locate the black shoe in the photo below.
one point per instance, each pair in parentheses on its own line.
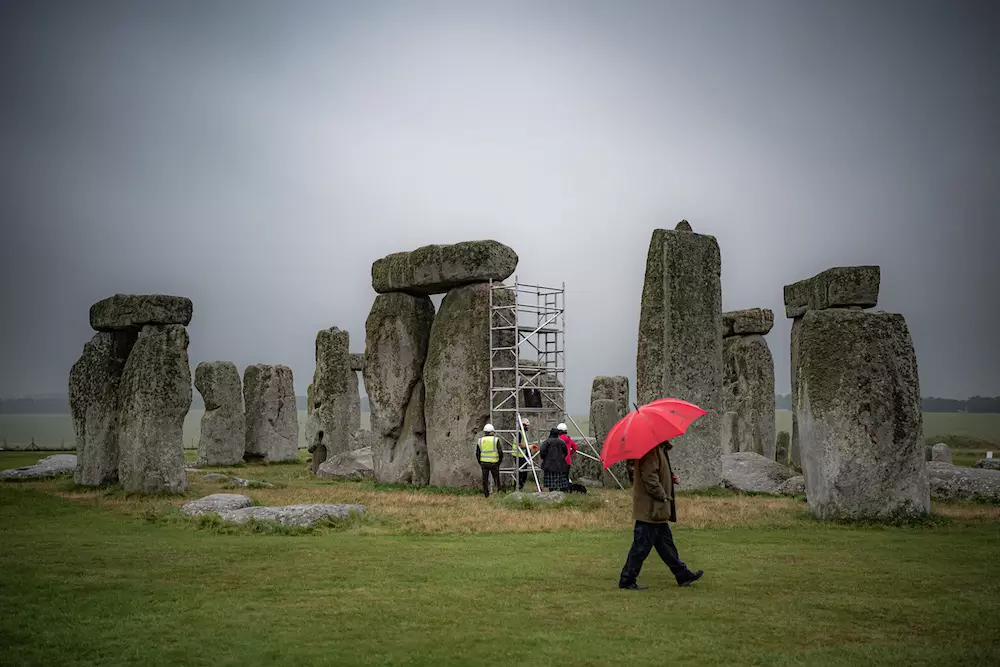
(690,580)
(632,587)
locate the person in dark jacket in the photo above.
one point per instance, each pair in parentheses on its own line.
(555,472)
(652,507)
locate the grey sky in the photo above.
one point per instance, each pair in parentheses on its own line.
(257,157)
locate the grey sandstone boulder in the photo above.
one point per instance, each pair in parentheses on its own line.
(223,424)
(436,269)
(988,464)
(611,387)
(749,395)
(249,483)
(608,404)
(271,413)
(457,383)
(746,322)
(155,392)
(547,497)
(839,287)
(859,418)
(397,336)
(335,415)
(292,515)
(357,361)
(748,471)
(94,405)
(941,453)
(354,465)
(793,485)
(50,466)
(949,482)
(134,311)
(680,346)
(216,503)
(215,477)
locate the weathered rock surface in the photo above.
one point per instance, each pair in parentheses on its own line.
(216,503)
(215,477)
(397,335)
(949,482)
(437,269)
(860,422)
(941,453)
(292,515)
(336,399)
(456,384)
(134,311)
(746,322)
(549,497)
(611,387)
(271,413)
(748,471)
(249,483)
(357,361)
(680,349)
(839,287)
(608,404)
(155,392)
(50,466)
(94,404)
(781,448)
(223,425)
(354,465)
(749,395)
(988,464)
(793,485)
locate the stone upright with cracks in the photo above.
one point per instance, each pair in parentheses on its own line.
(680,346)
(271,413)
(749,383)
(335,410)
(223,425)
(436,269)
(608,404)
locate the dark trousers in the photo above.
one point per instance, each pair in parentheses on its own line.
(648,536)
(490,469)
(522,477)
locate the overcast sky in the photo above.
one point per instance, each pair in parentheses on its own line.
(258,156)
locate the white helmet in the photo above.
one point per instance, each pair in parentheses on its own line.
(525,422)
(488,428)
(561,427)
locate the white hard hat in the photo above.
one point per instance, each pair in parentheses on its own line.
(561,427)
(488,428)
(526,422)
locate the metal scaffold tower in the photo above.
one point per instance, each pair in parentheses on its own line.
(528,373)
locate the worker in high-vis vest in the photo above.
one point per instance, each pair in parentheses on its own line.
(521,451)
(489,455)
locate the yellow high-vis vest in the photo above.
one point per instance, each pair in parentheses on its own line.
(488,451)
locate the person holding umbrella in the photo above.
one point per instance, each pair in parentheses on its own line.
(644,435)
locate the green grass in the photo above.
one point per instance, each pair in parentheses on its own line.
(82,585)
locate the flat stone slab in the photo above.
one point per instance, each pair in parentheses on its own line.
(217,502)
(988,464)
(249,483)
(133,311)
(747,322)
(839,287)
(435,269)
(553,497)
(749,471)
(50,466)
(293,515)
(949,482)
(352,465)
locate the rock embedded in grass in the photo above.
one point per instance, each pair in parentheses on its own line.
(217,503)
(50,466)
(293,515)
(949,482)
(748,471)
(353,465)
(988,464)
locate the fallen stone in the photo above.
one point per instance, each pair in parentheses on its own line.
(223,424)
(336,399)
(549,497)
(587,482)
(680,349)
(155,392)
(437,269)
(793,485)
(249,483)
(134,311)
(215,477)
(457,383)
(293,515)
(217,503)
(50,466)
(271,413)
(949,482)
(357,361)
(748,471)
(859,417)
(839,287)
(95,405)
(354,465)
(748,425)
(397,335)
(746,322)
(988,464)
(940,452)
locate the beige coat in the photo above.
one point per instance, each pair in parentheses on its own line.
(653,488)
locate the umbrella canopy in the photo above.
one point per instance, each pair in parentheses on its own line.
(639,431)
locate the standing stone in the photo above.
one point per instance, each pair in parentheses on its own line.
(436,269)
(941,453)
(94,404)
(680,349)
(335,414)
(608,404)
(271,413)
(397,334)
(860,423)
(155,393)
(457,383)
(748,425)
(223,426)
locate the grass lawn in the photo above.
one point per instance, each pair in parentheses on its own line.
(429,577)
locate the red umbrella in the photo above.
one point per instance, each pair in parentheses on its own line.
(640,431)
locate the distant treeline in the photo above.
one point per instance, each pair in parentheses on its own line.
(59,405)
(980,404)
